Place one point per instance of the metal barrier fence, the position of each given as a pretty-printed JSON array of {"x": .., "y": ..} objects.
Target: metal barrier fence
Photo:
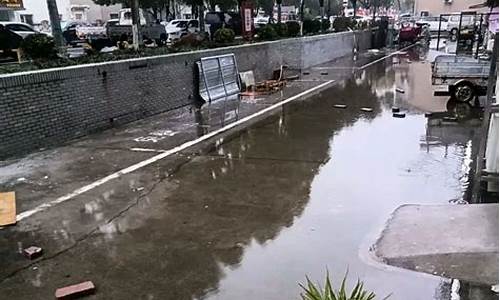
[{"x": 218, "y": 77}]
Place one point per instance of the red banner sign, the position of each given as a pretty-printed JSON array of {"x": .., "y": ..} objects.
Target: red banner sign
[{"x": 247, "y": 20}]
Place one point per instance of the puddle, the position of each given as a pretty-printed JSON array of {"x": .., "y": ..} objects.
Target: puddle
[{"x": 293, "y": 195}]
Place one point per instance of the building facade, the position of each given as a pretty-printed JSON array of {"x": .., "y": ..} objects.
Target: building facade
[
  {"x": 437, "y": 7},
  {"x": 35, "y": 12},
  {"x": 8, "y": 9}
]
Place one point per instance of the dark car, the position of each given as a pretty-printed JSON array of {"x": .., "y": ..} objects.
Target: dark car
[
  {"x": 217, "y": 20},
  {"x": 9, "y": 41}
]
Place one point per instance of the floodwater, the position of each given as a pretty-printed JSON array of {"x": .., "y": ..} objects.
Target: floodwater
[{"x": 304, "y": 191}]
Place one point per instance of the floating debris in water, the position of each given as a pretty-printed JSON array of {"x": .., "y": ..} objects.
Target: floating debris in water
[
  {"x": 340, "y": 106},
  {"x": 428, "y": 114},
  {"x": 324, "y": 73},
  {"x": 399, "y": 115},
  {"x": 400, "y": 90},
  {"x": 366, "y": 109},
  {"x": 395, "y": 109}
]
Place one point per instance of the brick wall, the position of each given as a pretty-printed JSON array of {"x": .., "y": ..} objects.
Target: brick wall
[{"x": 47, "y": 107}]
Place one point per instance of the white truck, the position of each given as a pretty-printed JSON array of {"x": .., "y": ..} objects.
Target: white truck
[
  {"x": 148, "y": 29},
  {"x": 466, "y": 77}
]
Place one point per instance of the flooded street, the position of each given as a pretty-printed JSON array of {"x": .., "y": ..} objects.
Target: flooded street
[{"x": 303, "y": 191}]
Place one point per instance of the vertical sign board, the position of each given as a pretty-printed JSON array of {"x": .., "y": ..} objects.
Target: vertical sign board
[
  {"x": 12, "y": 4},
  {"x": 247, "y": 20}
]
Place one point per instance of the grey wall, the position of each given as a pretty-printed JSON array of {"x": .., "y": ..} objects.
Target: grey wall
[{"x": 47, "y": 107}]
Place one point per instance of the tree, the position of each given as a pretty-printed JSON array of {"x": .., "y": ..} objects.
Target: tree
[
  {"x": 266, "y": 5},
  {"x": 55, "y": 23}
]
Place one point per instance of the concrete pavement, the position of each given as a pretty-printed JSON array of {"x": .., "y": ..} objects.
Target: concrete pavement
[
  {"x": 455, "y": 241},
  {"x": 244, "y": 215}
]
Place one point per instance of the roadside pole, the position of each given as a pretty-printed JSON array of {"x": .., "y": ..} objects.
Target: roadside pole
[{"x": 55, "y": 24}]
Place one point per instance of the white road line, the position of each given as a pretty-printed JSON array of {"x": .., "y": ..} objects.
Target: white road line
[
  {"x": 146, "y": 150},
  {"x": 160, "y": 156},
  {"x": 387, "y": 56},
  {"x": 174, "y": 150}
]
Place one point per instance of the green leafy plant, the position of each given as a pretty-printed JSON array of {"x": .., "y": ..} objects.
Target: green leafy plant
[
  {"x": 315, "y": 292},
  {"x": 325, "y": 24},
  {"x": 39, "y": 47},
  {"x": 281, "y": 29},
  {"x": 224, "y": 35},
  {"x": 311, "y": 26},
  {"x": 343, "y": 24},
  {"x": 293, "y": 28},
  {"x": 268, "y": 32}
]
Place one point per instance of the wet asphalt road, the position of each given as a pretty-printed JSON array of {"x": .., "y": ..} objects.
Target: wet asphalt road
[{"x": 302, "y": 191}]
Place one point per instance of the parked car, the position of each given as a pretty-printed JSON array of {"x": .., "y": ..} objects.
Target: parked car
[
  {"x": 433, "y": 23},
  {"x": 69, "y": 30},
  {"x": 21, "y": 29},
  {"x": 468, "y": 23},
  {"x": 180, "y": 27}
]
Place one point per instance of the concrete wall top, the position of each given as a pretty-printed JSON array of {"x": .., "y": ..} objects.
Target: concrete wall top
[{"x": 35, "y": 76}]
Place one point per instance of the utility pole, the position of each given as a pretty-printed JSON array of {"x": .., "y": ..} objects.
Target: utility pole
[
  {"x": 55, "y": 24},
  {"x": 136, "y": 21}
]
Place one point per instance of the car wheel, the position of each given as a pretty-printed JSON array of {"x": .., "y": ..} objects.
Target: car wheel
[{"x": 464, "y": 92}]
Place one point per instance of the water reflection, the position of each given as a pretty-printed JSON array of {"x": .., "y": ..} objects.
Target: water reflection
[{"x": 216, "y": 114}]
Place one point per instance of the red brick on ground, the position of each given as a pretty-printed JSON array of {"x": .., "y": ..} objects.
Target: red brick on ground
[
  {"x": 75, "y": 291},
  {"x": 32, "y": 252}
]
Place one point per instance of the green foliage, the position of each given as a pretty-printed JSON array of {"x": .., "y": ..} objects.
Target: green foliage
[
  {"x": 343, "y": 24},
  {"x": 281, "y": 29},
  {"x": 293, "y": 28},
  {"x": 224, "y": 35},
  {"x": 267, "y": 33},
  {"x": 313, "y": 292},
  {"x": 325, "y": 24},
  {"x": 39, "y": 47},
  {"x": 311, "y": 26}
]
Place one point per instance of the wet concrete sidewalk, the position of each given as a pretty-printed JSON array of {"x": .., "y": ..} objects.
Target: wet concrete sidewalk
[
  {"x": 457, "y": 241},
  {"x": 249, "y": 214},
  {"x": 50, "y": 174}
]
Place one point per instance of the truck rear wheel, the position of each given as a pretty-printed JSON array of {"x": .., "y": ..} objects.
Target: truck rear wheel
[{"x": 464, "y": 92}]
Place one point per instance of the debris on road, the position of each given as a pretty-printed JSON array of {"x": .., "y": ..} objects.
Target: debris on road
[
  {"x": 324, "y": 73},
  {"x": 292, "y": 77},
  {"x": 340, "y": 106},
  {"x": 399, "y": 115},
  {"x": 366, "y": 109},
  {"x": 395, "y": 109},
  {"x": 33, "y": 252},
  {"x": 306, "y": 73},
  {"x": 76, "y": 290},
  {"x": 399, "y": 90},
  {"x": 21, "y": 179},
  {"x": 7, "y": 208}
]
